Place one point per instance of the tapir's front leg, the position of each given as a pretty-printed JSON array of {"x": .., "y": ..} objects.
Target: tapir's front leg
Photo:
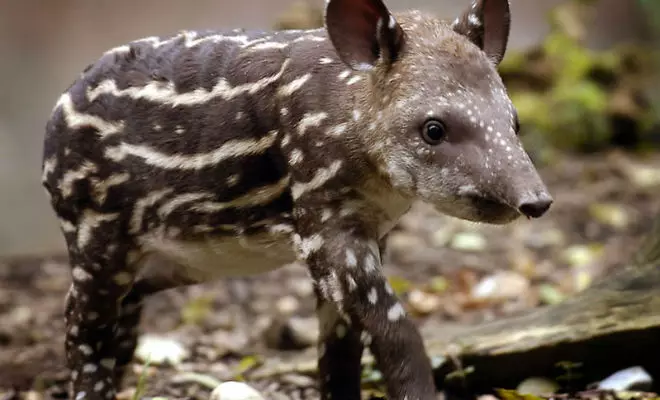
[{"x": 357, "y": 303}]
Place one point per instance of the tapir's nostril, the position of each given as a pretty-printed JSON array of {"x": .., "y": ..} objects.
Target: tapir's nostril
[{"x": 537, "y": 207}]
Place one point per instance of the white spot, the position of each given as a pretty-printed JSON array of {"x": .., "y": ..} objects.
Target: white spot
[
  {"x": 373, "y": 296},
  {"x": 296, "y": 156},
  {"x": 356, "y": 115},
  {"x": 89, "y": 368},
  {"x": 311, "y": 120},
  {"x": 108, "y": 363},
  {"x": 365, "y": 337},
  {"x": 370, "y": 262},
  {"x": 326, "y": 214},
  {"x": 388, "y": 288},
  {"x": 344, "y": 74},
  {"x": 86, "y": 349},
  {"x": 325, "y": 60},
  {"x": 396, "y": 312},
  {"x": 354, "y": 80},
  {"x": 98, "y": 386},
  {"x": 310, "y": 245},
  {"x": 337, "y": 130},
  {"x": 351, "y": 259},
  {"x": 294, "y": 85},
  {"x": 80, "y": 275}
]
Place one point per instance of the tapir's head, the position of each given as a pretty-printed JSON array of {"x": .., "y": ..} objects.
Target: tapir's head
[{"x": 444, "y": 129}]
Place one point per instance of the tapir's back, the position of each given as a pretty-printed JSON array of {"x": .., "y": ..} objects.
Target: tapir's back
[{"x": 190, "y": 119}]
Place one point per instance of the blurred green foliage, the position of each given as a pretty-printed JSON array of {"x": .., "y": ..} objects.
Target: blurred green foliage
[
  {"x": 574, "y": 98},
  {"x": 568, "y": 96}
]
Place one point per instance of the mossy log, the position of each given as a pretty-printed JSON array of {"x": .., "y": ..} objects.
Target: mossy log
[{"x": 612, "y": 325}]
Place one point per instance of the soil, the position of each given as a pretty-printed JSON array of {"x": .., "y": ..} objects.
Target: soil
[{"x": 228, "y": 325}]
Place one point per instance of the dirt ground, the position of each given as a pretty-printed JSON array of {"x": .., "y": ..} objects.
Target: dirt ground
[{"x": 447, "y": 271}]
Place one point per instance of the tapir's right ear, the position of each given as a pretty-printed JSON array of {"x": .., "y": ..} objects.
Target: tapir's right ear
[{"x": 362, "y": 32}]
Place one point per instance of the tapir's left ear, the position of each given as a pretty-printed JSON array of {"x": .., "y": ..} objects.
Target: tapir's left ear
[
  {"x": 363, "y": 32},
  {"x": 487, "y": 24}
]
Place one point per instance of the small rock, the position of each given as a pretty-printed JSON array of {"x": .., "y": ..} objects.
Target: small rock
[
  {"x": 537, "y": 386},
  {"x": 423, "y": 303},
  {"x": 302, "y": 287},
  {"x": 503, "y": 285},
  {"x": 468, "y": 241},
  {"x": 287, "y": 305},
  {"x": 235, "y": 391},
  {"x": 160, "y": 350},
  {"x": 294, "y": 333},
  {"x": 633, "y": 379},
  {"x": 33, "y": 395}
]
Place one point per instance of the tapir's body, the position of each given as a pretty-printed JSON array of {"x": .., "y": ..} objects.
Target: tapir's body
[{"x": 175, "y": 161}]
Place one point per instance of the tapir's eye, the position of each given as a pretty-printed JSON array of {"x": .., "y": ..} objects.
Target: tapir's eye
[{"x": 434, "y": 132}]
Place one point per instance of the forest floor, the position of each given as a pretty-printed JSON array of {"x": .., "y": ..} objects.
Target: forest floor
[{"x": 446, "y": 271}]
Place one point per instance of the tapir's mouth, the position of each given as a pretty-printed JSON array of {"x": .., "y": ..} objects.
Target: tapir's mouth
[{"x": 491, "y": 210}]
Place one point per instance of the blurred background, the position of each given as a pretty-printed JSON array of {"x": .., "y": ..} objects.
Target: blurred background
[
  {"x": 45, "y": 43},
  {"x": 583, "y": 74}
]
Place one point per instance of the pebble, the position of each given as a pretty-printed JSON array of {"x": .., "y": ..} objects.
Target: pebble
[
  {"x": 503, "y": 285},
  {"x": 468, "y": 241},
  {"x": 423, "y": 303},
  {"x": 159, "y": 350},
  {"x": 633, "y": 379},
  {"x": 232, "y": 390},
  {"x": 537, "y": 386},
  {"x": 287, "y": 305}
]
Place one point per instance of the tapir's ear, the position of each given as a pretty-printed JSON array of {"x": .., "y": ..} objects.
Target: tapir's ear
[
  {"x": 487, "y": 24},
  {"x": 362, "y": 32}
]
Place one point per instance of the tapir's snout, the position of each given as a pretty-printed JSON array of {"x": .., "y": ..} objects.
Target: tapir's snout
[{"x": 535, "y": 205}]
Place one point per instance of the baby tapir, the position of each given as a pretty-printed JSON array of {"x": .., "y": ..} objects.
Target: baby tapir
[{"x": 174, "y": 161}]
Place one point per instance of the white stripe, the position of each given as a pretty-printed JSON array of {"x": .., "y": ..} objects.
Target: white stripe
[
  {"x": 311, "y": 120},
  {"x": 230, "y": 149},
  {"x": 91, "y": 220},
  {"x": 70, "y": 177},
  {"x": 256, "y": 197},
  {"x": 165, "y": 93},
  {"x": 289, "y": 88},
  {"x": 320, "y": 178},
  {"x": 141, "y": 206},
  {"x": 75, "y": 119},
  {"x": 167, "y": 208}
]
